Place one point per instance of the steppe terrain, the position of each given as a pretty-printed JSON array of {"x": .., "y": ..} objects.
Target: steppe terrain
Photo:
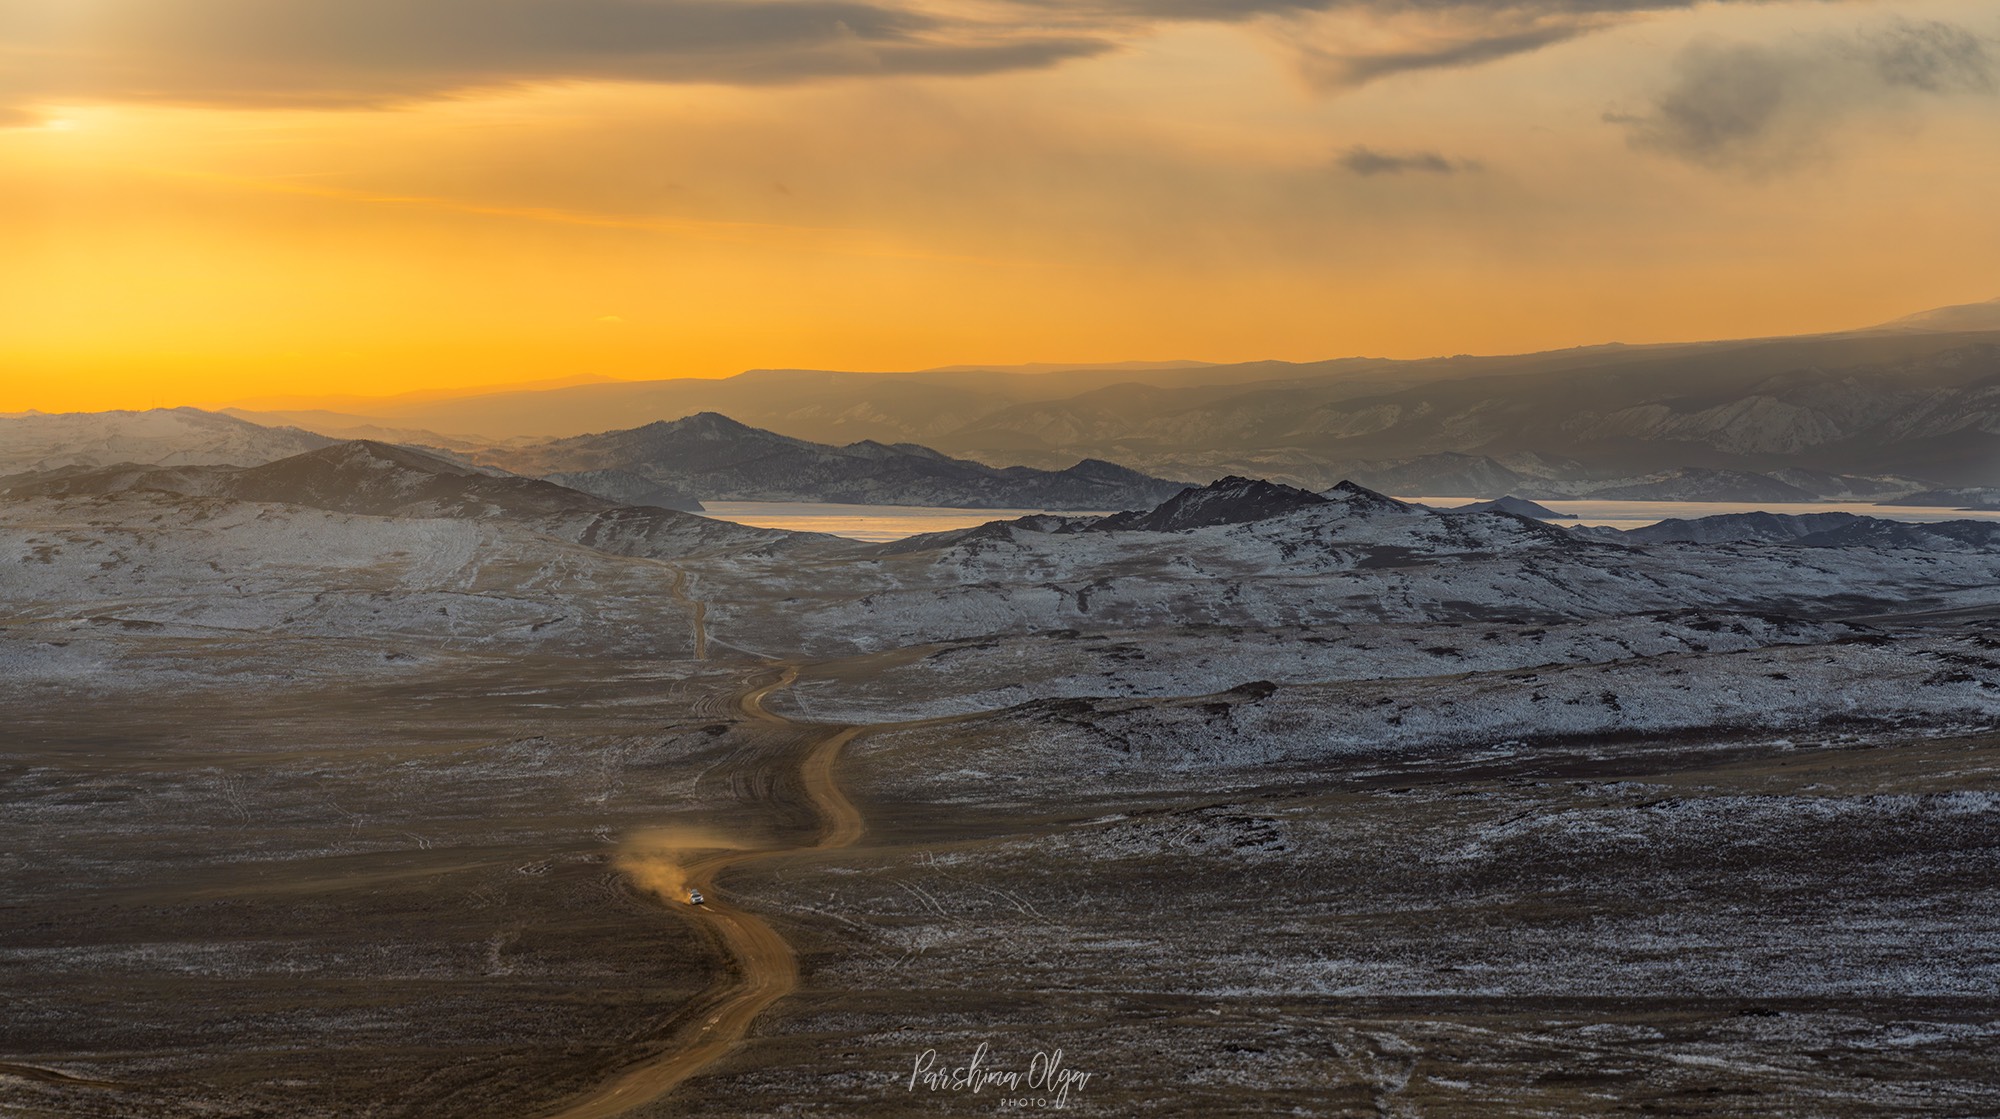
[{"x": 373, "y": 796}]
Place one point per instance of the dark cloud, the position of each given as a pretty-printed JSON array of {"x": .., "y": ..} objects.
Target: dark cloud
[
  {"x": 1441, "y": 34},
  {"x": 1367, "y": 161},
  {"x": 1233, "y": 10},
  {"x": 374, "y": 52},
  {"x": 1336, "y": 68},
  {"x": 359, "y": 52},
  {"x": 1763, "y": 109},
  {"x": 1931, "y": 56}
]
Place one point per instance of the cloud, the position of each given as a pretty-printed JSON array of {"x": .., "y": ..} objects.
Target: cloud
[
  {"x": 1763, "y": 109},
  {"x": 1362, "y": 160},
  {"x": 1932, "y": 56},
  {"x": 373, "y": 52},
  {"x": 1342, "y": 44},
  {"x": 1342, "y": 53},
  {"x": 369, "y": 53}
]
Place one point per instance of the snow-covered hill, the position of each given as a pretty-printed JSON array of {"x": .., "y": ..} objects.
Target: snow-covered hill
[
  {"x": 151, "y": 564},
  {"x": 1358, "y": 558},
  {"x": 1519, "y": 506},
  {"x": 402, "y": 484},
  {"x": 161, "y": 437}
]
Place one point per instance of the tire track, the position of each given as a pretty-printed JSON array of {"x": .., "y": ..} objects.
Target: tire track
[{"x": 764, "y": 968}]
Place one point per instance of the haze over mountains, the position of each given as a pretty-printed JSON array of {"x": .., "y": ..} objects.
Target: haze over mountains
[
  {"x": 720, "y": 459},
  {"x": 159, "y": 437},
  {"x": 1865, "y": 416},
  {"x": 667, "y": 465},
  {"x": 1861, "y": 413}
]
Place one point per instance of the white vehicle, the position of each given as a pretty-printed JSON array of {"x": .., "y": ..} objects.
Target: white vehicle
[{"x": 694, "y": 897}]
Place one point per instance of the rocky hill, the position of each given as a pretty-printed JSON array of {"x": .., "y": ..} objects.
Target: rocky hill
[
  {"x": 1225, "y": 502},
  {"x": 1519, "y": 506}
]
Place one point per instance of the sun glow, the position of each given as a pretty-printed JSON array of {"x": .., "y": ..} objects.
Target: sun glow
[{"x": 1193, "y": 193}]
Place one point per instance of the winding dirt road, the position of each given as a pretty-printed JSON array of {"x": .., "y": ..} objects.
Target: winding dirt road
[{"x": 762, "y": 967}]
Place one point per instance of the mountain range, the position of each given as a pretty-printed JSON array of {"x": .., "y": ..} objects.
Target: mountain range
[
  {"x": 1873, "y": 415},
  {"x": 718, "y": 459},
  {"x": 1917, "y": 400}
]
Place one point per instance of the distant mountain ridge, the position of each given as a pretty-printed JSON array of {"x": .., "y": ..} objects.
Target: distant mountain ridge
[
  {"x": 362, "y": 476},
  {"x": 1974, "y": 497},
  {"x": 1454, "y": 475},
  {"x": 713, "y": 457},
  {"x": 1816, "y": 530},
  {"x": 1963, "y": 316},
  {"x": 37, "y": 441},
  {"x": 1916, "y": 402},
  {"x": 1863, "y": 415}
]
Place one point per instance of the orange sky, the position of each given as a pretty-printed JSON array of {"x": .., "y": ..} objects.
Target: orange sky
[{"x": 201, "y": 205}]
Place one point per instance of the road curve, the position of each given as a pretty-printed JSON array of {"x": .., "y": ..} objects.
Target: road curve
[{"x": 763, "y": 967}]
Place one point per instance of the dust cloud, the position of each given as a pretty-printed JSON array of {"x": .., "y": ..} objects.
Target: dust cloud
[{"x": 656, "y": 859}]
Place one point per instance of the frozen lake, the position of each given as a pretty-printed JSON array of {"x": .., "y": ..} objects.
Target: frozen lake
[{"x": 880, "y": 523}]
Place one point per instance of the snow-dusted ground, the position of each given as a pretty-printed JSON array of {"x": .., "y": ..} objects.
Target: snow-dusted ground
[
  {"x": 1945, "y": 684},
  {"x": 1353, "y": 810},
  {"x": 183, "y": 568},
  {"x": 985, "y": 675}
]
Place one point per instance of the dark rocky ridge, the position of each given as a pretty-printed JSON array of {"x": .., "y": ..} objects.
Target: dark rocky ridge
[
  {"x": 713, "y": 457},
  {"x": 1229, "y": 500},
  {"x": 1819, "y": 530},
  {"x": 1519, "y": 506}
]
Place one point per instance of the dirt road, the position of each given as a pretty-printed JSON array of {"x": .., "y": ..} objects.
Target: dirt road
[
  {"x": 697, "y": 609},
  {"x": 762, "y": 966}
]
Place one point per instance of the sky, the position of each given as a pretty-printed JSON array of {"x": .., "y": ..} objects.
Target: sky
[{"x": 204, "y": 201}]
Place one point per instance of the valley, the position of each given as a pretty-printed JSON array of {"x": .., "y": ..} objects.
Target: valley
[{"x": 1255, "y": 796}]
